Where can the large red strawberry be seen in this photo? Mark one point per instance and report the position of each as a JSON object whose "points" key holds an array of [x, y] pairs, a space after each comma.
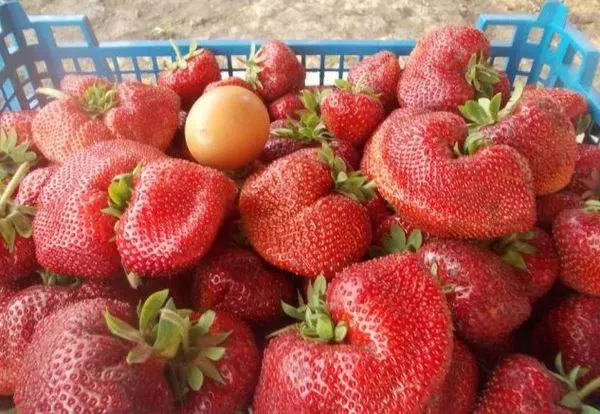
{"points": [[302, 213], [571, 328], [352, 112], [189, 74], [168, 212], [395, 234], [573, 104], [586, 178], [484, 294], [533, 256], [32, 185], [90, 109], [459, 392], [577, 239], [380, 326], [522, 384], [381, 72], [13, 153], [21, 314], [20, 121], [274, 70], [412, 159], [74, 364], [551, 205], [236, 281], [447, 67], [286, 107]]}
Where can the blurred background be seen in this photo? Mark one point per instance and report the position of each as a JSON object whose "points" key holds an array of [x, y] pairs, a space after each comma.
{"points": [[313, 19]]}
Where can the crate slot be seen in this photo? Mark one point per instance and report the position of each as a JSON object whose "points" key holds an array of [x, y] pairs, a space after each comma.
{"points": [[500, 62], [128, 77], [68, 65], [7, 89], [11, 43], [29, 90], [535, 35], [125, 64], [520, 79], [222, 61], [555, 41], [86, 65], [501, 33], [68, 35], [145, 63], [162, 62], [22, 74], [237, 62], [47, 83], [1, 63], [350, 61], [525, 65], [596, 80], [545, 72], [149, 78], [572, 59], [312, 61], [332, 61], [41, 67]]}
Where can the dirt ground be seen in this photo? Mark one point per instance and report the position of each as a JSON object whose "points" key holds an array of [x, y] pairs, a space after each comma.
{"points": [[313, 19]]}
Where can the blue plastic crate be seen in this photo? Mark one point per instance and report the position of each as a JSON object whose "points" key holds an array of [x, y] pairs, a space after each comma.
{"points": [[544, 49]]}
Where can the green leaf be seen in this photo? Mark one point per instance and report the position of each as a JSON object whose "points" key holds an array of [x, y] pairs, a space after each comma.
{"points": [[324, 328], [292, 311], [168, 338], [214, 353], [415, 240], [210, 340], [209, 369], [139, 354], [588, 409], [151, 309], [122, 329], [206, 321], [194, 378], [514, 99], [341, 330], [515, 259]]}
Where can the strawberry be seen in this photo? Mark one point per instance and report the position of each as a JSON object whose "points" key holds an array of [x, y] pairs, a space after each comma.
{"points": [[178, 147], [302, 213], [522, 384], [22, 313], [33, 184], [571, 328], [74, 364], [573, 104], [412, 160], [274, 70], [550, 205], [75, 231], [448, 67], [211, 360], [90, 109], [381, 73], [484, 293], [395, 235], [20, 121], [189, 74], [536, 127], [285, 107], [576, 234], [352, 112], [586, 179], [13, 153], [378, 210], [233, 81], [237, 282], [379, 327], [533, 256], [459, 392]]}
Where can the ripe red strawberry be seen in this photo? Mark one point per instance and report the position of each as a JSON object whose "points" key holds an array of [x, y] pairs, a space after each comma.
{"points": [[286, 107], [412, 160], [383, 326], [352, 113], [232, 81], [571, 328], [20, 121], [295, 217], [274, 70], [587, 165], [65, 367], [189, 74], [178, 147], [536, 127], [576, 236], [533, 256], [550, 205], [378, 209], [502, 87], [236, 281], [573, 104], [393, 235], [21, 314], [33, 184], [381, 72], [448, 67], [459, 392], [522, 384], [484, 293], [91, 110]]}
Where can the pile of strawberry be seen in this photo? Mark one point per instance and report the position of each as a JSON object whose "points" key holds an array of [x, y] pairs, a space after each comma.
{"points": [[457, 271]]}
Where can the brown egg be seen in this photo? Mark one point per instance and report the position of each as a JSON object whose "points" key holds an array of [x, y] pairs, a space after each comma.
{"points": [[227, 128]]}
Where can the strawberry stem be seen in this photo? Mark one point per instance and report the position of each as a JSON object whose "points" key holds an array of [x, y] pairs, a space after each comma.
{"points": [[12, 186], [513, 247], [52, 93], [253, 67], [591, 206], [99, 99], [481, 75], [397, 241]]}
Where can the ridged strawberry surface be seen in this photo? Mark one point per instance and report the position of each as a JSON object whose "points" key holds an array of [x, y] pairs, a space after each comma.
{"points": [[522, 384], [190, 81], [573, 104], [396, 354], [434, 75], [33, 184], [486, 296], [18, 263], [20, 121], [484, 195], [459, 392], [577, 239], [539, 130], [74, 364], [239, 369], [144, 113], [381, 72], [21, 314], [173, 217], [237, 281], [588, 160], [571, 328], [72, 234], [295, 220], [286, 106]]}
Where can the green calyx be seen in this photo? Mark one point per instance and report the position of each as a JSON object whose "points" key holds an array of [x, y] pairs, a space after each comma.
{"points": [[481, 75], [472, 144], [397, 241], [513, 247], [253, 67], [592, 206], [312, 99], [99, 99], [13, 154], [188, 347], [15, 220], [583, 124], [54, 279], [314, 320], [358, 87], [575, 397], [119, 193], [181, 61], [353, 184]]}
